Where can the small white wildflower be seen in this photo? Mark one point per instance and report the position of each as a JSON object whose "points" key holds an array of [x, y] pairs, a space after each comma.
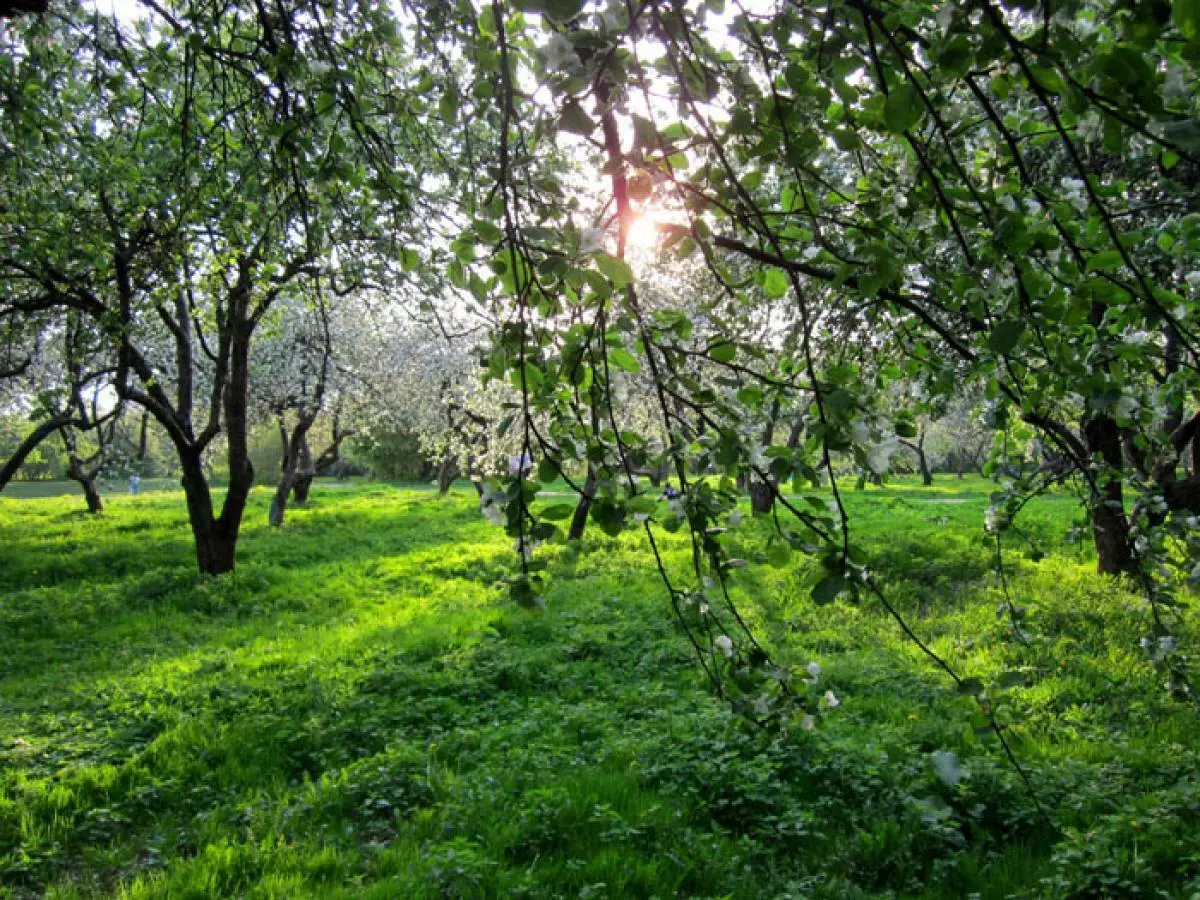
{"points": [[1193, 279], [831, 700], [811, 253], [901, 201], [808, 723], [1192, 522], [725, 644], [1007, 202], [814, 670], [1137, 337]]}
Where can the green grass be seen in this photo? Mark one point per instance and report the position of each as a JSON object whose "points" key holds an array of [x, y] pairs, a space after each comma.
{"points": [[360, 712]]}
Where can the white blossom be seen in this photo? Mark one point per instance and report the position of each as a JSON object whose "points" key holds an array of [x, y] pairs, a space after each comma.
{"points": [[592, 240], [808, 723], [725, 644], [831, 700], [559, 53]]}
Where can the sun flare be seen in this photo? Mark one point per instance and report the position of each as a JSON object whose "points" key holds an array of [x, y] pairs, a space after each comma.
{"points": [[643, 232]]}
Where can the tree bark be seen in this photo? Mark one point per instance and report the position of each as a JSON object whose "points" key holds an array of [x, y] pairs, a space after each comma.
{"points": [[214, 547], [762, 496], [1110, 527], [91, 494], [579, 519], [447, 472], [85, 478]]}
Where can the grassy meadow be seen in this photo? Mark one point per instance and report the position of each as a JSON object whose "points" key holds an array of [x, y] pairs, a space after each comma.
{"points": [[360, 712]]}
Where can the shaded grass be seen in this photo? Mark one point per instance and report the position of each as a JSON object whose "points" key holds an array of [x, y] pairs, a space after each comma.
{"points": [[358, 711]]}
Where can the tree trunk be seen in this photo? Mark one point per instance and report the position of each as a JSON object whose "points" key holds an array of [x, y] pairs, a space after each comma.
{"points": [[214, 548], [762, 496], [579, 519], [1110, 527], [87, 482], [923, 463], [447, 472], [90, 493], [297, 469]]}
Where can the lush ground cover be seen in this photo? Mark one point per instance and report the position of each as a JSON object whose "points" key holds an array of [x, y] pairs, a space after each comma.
{"points": [[359, 711]]}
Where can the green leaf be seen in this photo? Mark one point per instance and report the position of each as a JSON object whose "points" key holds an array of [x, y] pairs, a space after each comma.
{"points": [[1105, 261], [575, 120], [778, 553], [623, 359], [448, 107], [557, 512], [487, 231], [751, 396], [1005, 336], [1186, 16], [826, 590], [775, 283], [970, 686], [615, 270], [563, 10], [723, 351], [902, 109]]}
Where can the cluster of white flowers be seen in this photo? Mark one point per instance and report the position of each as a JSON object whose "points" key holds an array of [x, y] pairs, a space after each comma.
{"points": [[830, 700], [560, 54], [592, 240], [814, 672], [491, 504], [1073, 192], [1126, 407], [724, 643]]}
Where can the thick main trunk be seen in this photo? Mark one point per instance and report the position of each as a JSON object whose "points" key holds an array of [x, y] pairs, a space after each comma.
{"points": [[87, 482], [762, 496], [92, 495], [923, 463], [579, 519], [214, 546], [446, 474], [1110, 526]]}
